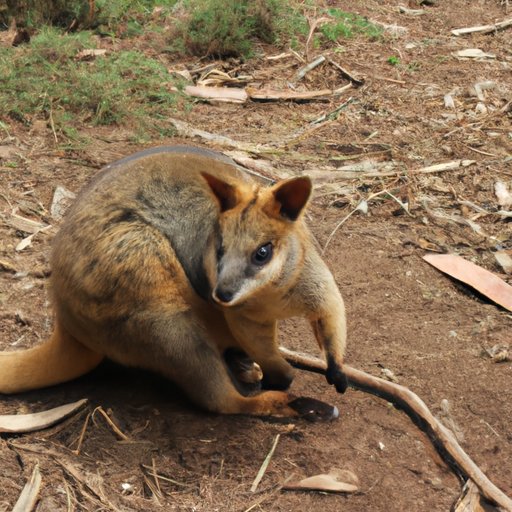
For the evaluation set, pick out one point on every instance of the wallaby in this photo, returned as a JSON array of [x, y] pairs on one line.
[[173, 256]]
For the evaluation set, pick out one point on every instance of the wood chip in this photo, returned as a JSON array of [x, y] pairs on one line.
[[90, 53], [482, 280], [19, 423], [469, 500], [312, 65], [26, 225], [446, 166], [411, 12], [7, 266]]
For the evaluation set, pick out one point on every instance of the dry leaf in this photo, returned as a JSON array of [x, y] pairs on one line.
[[482, 280], [19, 423], [26, 225], [330, 482]]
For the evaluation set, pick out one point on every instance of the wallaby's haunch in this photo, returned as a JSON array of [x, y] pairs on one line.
[[170, 258]]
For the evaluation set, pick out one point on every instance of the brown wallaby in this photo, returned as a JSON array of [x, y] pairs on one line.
[[173, 256]]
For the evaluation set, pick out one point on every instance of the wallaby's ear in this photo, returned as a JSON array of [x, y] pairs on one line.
[[291, 196], [224, 192]]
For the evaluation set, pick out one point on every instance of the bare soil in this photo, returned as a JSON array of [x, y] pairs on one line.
[[403, 315]]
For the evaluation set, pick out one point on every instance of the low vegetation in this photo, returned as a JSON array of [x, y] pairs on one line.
[[49, 78]]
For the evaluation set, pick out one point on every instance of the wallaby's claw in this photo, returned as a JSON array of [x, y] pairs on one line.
[[337, 378]]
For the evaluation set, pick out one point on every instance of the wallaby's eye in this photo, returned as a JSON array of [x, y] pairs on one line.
[[262, 255]]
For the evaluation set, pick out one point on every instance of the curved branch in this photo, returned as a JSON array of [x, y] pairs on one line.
[[441, 437]]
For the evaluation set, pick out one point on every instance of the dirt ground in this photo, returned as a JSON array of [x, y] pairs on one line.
[[403, 315]]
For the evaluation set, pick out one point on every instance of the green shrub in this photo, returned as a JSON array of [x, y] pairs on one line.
[[224, 28], [109, 14], [45, 78]]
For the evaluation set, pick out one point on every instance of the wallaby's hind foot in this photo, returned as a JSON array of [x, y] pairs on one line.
[[61, 358], [268, 403]]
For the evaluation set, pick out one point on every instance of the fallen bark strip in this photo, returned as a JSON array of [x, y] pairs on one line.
[[404, 398], [220, 94], [28, 497], [187, 130], [286, 95], [483, 29]]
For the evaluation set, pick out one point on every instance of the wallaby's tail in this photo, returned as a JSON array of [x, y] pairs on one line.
[[57, 360]]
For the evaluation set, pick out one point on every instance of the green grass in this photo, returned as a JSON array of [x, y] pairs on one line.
[[346, 25], [44, 79]]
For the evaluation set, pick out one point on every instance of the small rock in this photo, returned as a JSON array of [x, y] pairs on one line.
[[389, 375], [62, 199]]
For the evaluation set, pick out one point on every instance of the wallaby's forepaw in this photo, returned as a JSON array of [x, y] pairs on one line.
[[336, 377]]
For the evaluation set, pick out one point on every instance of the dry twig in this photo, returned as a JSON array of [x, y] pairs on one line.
[[112, 425], [402, 397], [265, 464]]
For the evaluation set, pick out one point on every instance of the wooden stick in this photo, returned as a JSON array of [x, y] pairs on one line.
[[483, 29], [405, 399]]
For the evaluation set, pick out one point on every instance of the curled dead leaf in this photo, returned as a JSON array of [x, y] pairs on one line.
[[330, 482]]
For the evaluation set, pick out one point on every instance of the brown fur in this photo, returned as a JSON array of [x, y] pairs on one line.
[[153, 267]]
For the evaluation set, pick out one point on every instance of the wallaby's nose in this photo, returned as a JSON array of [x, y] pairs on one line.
[[223, 295]]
